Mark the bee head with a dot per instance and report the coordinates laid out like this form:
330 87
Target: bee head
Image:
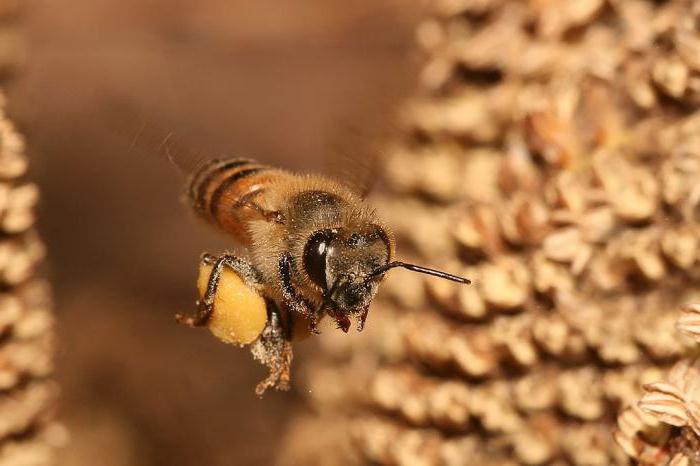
347 267
340 263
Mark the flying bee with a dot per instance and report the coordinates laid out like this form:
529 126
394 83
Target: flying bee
315 249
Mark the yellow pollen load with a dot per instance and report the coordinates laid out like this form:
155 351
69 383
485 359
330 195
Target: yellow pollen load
240 314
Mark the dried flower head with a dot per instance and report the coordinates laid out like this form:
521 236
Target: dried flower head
552 155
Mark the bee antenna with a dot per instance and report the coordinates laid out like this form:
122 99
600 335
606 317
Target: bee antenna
417 268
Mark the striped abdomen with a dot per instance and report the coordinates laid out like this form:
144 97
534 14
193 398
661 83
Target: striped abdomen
224 191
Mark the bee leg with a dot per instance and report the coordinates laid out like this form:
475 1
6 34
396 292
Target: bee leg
274 349
361 320
291 298
269 215
314 318
343 322
205 306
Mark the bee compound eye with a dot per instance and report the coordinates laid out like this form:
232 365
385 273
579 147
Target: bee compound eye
316 252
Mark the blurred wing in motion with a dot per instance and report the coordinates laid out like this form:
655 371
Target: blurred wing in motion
149 140
359 140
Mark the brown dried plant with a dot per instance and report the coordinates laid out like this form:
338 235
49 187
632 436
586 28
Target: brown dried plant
28 433
552 155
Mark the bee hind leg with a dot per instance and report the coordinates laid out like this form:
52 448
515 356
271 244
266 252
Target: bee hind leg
205 306
274 349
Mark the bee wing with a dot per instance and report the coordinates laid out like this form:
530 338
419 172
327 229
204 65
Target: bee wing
148 140
361 138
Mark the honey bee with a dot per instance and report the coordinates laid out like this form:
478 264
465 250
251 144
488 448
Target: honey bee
315 247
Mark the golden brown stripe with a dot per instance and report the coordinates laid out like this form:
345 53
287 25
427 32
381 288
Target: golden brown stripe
228 184
206 175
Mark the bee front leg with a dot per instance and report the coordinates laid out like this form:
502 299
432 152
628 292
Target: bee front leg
274 349
362 318
205 306
291 298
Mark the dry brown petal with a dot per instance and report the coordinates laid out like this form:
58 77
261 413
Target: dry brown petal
639 87
551 138
678 175
18 214
655 330
23 359
426 338
581 394
671 75
632 191
679 460
444 294
555 18
552 333
465 115
473 354
482 170
439 175
23 408
430 340
478 232
607 330
402 391
687 41
514 335
433 173
448 405
492 404
498 45
549 277
19 257
372 438
680 246
663 403
471 304
505 284
518 172
13 163
415 447
399 175
685 375
689 321
605 271
640 434
636 16
525 221
407 291
693 408
563 245
568 192
597 225
665 389
459 301
642 248
532 447
624 387
535 391
693 90
587 445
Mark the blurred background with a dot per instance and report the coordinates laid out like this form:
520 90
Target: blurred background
283 81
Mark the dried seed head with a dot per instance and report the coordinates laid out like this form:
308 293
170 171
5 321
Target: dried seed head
565 137
689 321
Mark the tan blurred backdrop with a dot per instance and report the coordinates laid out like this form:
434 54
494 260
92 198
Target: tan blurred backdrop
276 80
